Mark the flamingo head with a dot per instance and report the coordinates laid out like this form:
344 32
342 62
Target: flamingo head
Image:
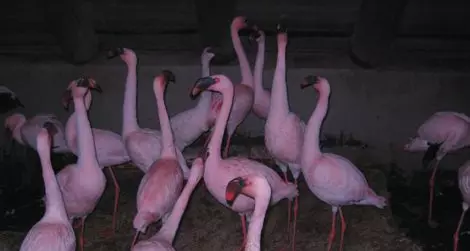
207 54
257 35
115 52
234 189
253 186
13 120
416 144
320 84
79 88
241 22
203 84
161 81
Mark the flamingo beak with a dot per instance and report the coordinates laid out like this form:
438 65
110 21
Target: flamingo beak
18 102
168 76
89 83
309 80
233 190
201 85
66 98
115 52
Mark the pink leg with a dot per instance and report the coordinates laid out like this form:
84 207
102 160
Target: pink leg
343 228
331 237
82 237
109 232
77 223
289 207
136 237
227 146
296 208
243 218
431 191
456 234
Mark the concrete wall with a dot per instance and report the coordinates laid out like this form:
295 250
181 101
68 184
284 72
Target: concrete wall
380 108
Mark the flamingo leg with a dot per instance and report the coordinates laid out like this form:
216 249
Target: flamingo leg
431 190
117 190
343 228
243 218
331 237
289 206
82 236
136 237
77 223
456 234
296 208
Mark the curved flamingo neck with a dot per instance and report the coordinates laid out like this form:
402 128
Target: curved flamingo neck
170 227
215 143
258 73
54 202
311 151
247 76
85 143
257 221
168 147
16 132
279 103
129 107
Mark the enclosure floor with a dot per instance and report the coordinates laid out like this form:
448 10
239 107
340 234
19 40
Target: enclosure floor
207 225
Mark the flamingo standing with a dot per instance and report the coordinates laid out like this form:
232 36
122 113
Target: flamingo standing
262 100
110 151
142 144
162 241
8 100
25 131
332 178
161 185
83 183
283 132
218 172
464 186
243 100
256 187
443 132
53 232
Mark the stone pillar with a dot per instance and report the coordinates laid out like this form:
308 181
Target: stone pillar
214 19
375 30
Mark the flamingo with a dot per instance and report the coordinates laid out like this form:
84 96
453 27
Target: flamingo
142 144
283 131
256 187
83 183
218 172
25 131
332 178
243 100
8 100
162 241
162 184
443 132
110 151
464 186
262 99
53 232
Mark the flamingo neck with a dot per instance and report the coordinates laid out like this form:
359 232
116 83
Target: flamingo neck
279 105
258 73
129 123
205 100
16 132
71 125
54 203
85 143
257 221
170 227
247 76
215 143
312 131
168 147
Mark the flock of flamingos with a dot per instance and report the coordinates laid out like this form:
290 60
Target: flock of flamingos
246 186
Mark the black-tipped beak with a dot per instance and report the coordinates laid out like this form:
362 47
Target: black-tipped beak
308 81
66 98
281 28
201 85
115 52
90 83
168 76
50 127
18 103
233 190
254 34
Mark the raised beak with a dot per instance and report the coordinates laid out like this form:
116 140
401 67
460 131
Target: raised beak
115 52
66 98
201 85
195 92
233 190
308 81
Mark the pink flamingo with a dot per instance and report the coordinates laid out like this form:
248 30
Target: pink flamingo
464 185
256 187
162 184
53 232
110 151
283 132
142 144
443 132
332 178
262 99
8 100
218 172
162 241
83 183
25 131
243 92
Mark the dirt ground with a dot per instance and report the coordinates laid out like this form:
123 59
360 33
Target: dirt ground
207 225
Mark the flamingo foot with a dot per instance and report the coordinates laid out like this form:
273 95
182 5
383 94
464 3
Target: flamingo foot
107 233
